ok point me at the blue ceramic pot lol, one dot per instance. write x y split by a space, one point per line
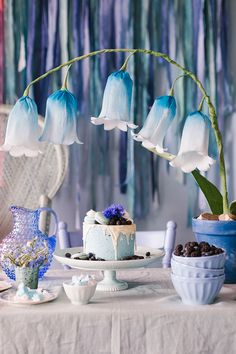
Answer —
221 234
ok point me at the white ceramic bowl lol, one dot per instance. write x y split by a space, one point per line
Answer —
216 261
185 270
197 291
79 294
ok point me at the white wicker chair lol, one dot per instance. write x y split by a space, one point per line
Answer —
29 182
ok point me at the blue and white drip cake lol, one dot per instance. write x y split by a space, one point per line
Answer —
109 234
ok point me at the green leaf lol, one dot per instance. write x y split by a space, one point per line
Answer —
211 192
232 207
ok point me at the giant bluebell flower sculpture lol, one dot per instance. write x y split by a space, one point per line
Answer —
61 118
22 131
194 146
116 102
61 124
157 123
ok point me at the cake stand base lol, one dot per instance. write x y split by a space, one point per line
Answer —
110 283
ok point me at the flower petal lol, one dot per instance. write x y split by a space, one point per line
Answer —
157 123
116 102
195 135
147 144
61 119
19 151
193 152
191 160
110 124
22 131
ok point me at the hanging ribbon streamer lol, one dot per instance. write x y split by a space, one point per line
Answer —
52 28
10 87
190 91
21 10
1 50
121 25
30 41
63 24
1 81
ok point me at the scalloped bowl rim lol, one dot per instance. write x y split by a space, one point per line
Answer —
76 286
199 258
197 280
187 266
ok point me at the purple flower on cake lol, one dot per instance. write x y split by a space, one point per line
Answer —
114 210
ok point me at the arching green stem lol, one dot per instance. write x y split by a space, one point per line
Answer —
201 104
64 85
124 66
171 93
211 107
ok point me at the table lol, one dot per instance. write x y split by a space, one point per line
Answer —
148 318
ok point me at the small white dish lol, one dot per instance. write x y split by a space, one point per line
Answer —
185 270
197 291
9 297
80 294
5 285
216 261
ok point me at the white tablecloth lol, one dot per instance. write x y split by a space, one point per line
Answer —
148 318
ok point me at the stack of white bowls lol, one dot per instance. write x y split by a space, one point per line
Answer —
198 280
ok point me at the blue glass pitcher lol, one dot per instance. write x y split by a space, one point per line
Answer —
26 228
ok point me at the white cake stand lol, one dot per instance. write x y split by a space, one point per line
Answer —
109 268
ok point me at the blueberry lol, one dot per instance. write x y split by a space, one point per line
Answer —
67 255
205 248
203 243
189 249
179 253
114 220
188 244
179 247
195 254
148 254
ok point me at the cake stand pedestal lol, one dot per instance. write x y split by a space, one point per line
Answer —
109 268
110 282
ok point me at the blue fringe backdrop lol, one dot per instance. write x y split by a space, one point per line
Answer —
41 34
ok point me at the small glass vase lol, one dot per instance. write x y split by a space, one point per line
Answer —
28 276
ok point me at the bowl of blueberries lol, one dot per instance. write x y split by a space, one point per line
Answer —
198 272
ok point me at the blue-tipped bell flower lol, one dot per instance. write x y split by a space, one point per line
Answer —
116 102
61 118
157 123
193 152
22 129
